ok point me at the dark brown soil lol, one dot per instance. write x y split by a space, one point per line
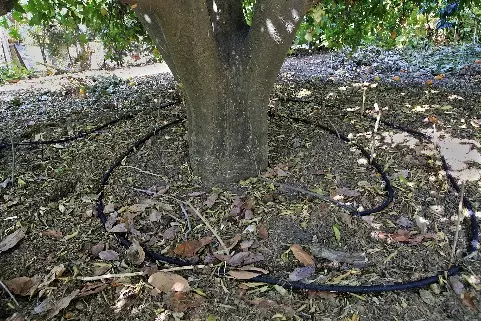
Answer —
55 188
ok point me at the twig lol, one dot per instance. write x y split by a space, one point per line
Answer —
141 170
225 249
110 276
188 267
186 215
458 223
376 126
316 195
206 222
363 100
9 293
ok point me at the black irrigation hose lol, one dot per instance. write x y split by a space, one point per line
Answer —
289 285
379 169
452 180
82 134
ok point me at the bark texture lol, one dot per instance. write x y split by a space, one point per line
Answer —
227 70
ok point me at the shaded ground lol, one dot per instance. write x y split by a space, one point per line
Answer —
55 188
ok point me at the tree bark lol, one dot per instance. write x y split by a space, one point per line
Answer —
227 71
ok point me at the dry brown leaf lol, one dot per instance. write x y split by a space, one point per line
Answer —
243 275
109 255
22 285
12 239
211 200
92 288
52 233
190 248
62 304
262 231
404 236
166 282
233 241
135 253
97 248
301 255
181 301
468 301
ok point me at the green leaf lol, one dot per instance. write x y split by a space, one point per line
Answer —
337 232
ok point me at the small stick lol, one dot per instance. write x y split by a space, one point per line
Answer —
363 99
206 222
376 126
109 276
9 293
188 267
458 223
225 249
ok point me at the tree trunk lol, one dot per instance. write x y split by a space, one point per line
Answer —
227 71
227 131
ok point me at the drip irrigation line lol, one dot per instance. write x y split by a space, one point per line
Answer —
387 182
408 285
466 202
82 134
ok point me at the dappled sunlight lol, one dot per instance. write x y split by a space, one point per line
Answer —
401 138
271 29
147 18
303 93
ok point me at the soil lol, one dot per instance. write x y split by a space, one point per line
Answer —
155 199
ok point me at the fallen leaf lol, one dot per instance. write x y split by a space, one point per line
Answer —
62 304
421 223
135 253
182 301
170 233
97 248
109 255
301 255
138 207
404 236
243 275
245 258
22 285
211 200
233 241
468 301
92 288
166 282
119 228
302 273
262 231
244 245
12 239
358 259
52 233
190 248
155 216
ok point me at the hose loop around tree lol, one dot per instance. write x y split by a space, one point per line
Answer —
300 285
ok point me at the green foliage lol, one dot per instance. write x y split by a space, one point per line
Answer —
332 23
70 22
389 23
13 73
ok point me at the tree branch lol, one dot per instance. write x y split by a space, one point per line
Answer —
184 31
273 29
